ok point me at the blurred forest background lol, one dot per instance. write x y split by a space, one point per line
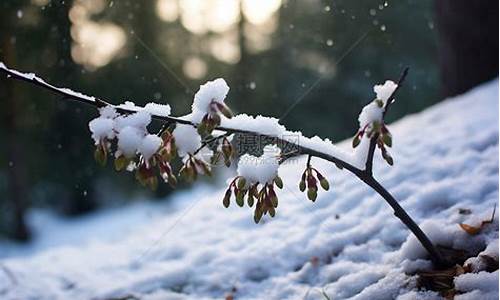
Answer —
312 62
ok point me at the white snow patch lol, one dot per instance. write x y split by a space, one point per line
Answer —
370 113
187 139
101 128
384 91
139 120
482 285
204 251
152 108
129 140
261 169
212 91
149 145
158 109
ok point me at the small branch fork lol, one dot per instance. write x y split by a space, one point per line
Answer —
364 175
373 141
211 140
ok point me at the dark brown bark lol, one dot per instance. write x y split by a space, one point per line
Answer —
468 43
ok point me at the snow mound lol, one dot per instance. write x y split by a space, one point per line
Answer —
347 245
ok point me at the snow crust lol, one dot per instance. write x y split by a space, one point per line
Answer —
347 244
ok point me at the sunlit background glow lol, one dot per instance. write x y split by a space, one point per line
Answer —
215 29
95 43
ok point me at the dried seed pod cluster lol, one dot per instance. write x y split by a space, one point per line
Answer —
263 194
310 179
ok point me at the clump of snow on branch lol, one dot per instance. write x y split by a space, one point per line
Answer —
210 92
373 112
102 127
262 169
149 145
384 91
162 110
139 120
187 139
130 130
108 112
208 106
129 140
259 124
158 109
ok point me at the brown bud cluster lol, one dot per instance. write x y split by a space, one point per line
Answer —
193 167
145 173
145 170
225 151
384 138
309 180
101 152
265 196
212 118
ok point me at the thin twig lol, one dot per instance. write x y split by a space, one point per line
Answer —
309 161
211 140
373 141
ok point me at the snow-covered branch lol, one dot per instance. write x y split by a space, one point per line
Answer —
204 112
124 128
264 127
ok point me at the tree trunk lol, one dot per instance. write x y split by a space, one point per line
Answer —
468 43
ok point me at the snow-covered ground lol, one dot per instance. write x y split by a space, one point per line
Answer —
347 245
